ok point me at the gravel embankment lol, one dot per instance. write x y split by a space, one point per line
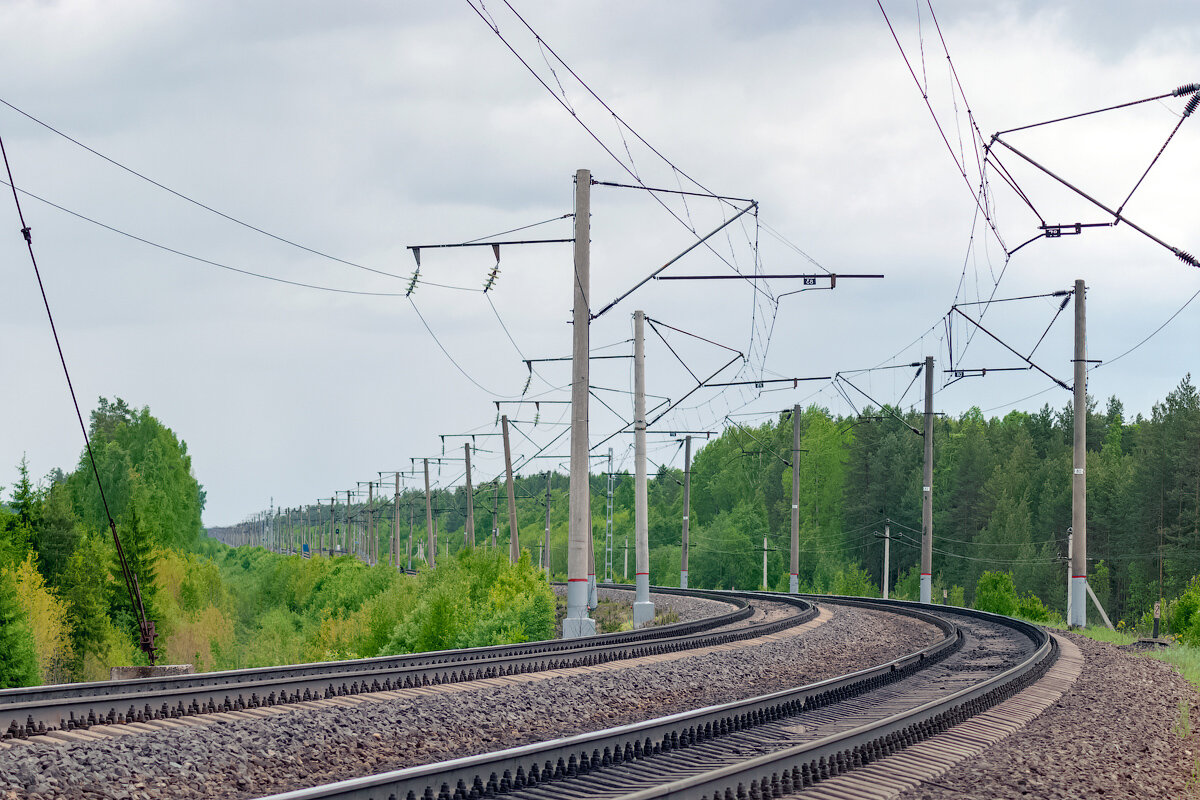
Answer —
1117 733
251 758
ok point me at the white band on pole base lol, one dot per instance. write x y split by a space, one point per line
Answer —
926 588
643 607
581 625
794 584
1078 615
683 579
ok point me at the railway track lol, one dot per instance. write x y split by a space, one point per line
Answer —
766 747
48 710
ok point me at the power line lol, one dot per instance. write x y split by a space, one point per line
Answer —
200 259
193 201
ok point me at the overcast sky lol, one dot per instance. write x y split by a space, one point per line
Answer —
358 129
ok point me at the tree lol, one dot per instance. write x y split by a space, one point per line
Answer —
135 453
995 592
18 662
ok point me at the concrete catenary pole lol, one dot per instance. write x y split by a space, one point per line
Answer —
546 546
332 525
687 505
593 599
1078 617
514 541
412 511
469 530
887 555
371 522
643 609
577 622
764 582
1070 570
432 549
927 491
794 570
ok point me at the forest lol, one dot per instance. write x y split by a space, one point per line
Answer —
1002 509
1001 493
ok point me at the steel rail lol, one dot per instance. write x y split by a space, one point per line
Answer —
806 764
536 764
33 710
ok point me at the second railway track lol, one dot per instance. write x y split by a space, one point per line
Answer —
50 710
763 747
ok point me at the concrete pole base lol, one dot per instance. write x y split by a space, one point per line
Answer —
577 622
156 671
643 613
575 627
1078 615
926 588
683 580
794 584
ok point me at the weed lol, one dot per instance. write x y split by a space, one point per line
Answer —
1183 727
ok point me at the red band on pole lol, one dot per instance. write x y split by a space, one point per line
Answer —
576 580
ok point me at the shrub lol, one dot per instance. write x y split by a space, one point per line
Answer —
995 592
1031 607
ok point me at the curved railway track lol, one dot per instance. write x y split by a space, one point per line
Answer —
45 710
763 747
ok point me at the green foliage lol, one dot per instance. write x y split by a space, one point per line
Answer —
996 592
1031 608
1183 614
18 661
477 599
142 464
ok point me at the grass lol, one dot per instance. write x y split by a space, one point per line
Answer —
1184 658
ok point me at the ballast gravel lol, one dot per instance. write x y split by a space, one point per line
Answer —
251 758
1125 729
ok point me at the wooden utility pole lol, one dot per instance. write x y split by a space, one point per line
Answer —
348 547
927 491
687 505
514 543
1078 616
608 523
429 520
395 548
469 530
794 571
546 546
495 514
643 609
577 623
